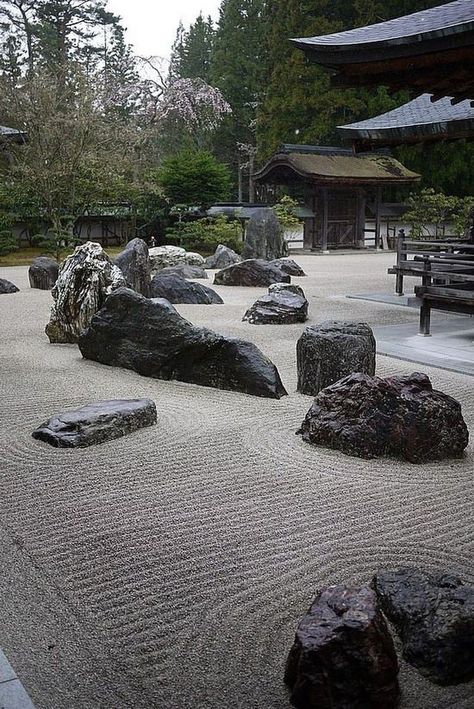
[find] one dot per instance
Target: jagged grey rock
(330, 351)
(176, 290)
(287, 265)
(150, 337)
(163, 256)
(43, 273)
(292, 287)
(343, 656)
(96, 423)
(134, 262)
(434, 616)
(252, 272)
(222, 257)
(402, 417)
(186, 271)
(280, 308)
(85, 279)
(7, 287)
(263, 236)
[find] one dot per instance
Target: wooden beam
(324, 234)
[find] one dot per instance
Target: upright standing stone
(134, 262)
(330, 351)
(343, 655)
(85, 280)
(43, 273)
(263, 236)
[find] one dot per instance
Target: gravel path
(175, 563)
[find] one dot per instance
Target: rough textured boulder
(150, 337)
(176, 289)
(222, 257)
(43, 273)
(287, 265)
(403, 417)
(96, 423)
(330, 351)
(292, 287)
(434, 616)
(134, 262)
(163, 256)
(280, 308)
(186, 271)
(7, 287)
(343, 655)
(253, 272)
(263, 236)
(85, 280)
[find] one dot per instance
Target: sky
(151, 24)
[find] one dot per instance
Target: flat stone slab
(97, 423)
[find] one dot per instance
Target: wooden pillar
(360, 225)
(378, 199)
(324, 233)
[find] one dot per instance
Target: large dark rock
(150, 337)
(434, 616)
(280, 308)
(330, 351)
(96, 423)
(263, 236)
(222, 257)
(7, 287)
(134, 262)
(292, 287)
(177, 289)
(287, 265)
(403, 417)
(85, 280)
(253, 272)
(43, 273)
(185, 270)
(343, 655)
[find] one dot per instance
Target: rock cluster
(252, 272)
(96, 423)
(43, 273)
(279, 308)
(134, 262)
(7, 287)
(403, 417)
(150, 337)
(222, 257)
(263, 236)
(85, 280)
(163, 256)
(332, 350)
(178, 290)
(343, 656)
(434, 616)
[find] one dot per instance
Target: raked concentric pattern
(193, 547)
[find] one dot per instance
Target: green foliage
(285, 211)
(8, 242)
(206, 234)
(192, 50)
(435, 208)
(54, 241)
(194, 178)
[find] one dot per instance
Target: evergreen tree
(196, 52)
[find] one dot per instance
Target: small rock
(330, 351)
(222, 258)
(253, 272)
(263, 236)
(280, 308)
(134, 262)
(177, 289)
(96, 423)
(163, 256)
(287, 265)
(402, 417)
(186, 271)
(43, 273)
(343, 655)
(7, 287)
(434, 616)
(292, 287)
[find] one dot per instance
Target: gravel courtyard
(169, 569)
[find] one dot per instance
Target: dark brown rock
(332, 350)
(43, 273)
(253, 272)
(403, 417)
(280, 308)
(434, 616)
(343, 655)
(134, 262)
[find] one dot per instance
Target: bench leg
(399, 284)
(425, 319)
